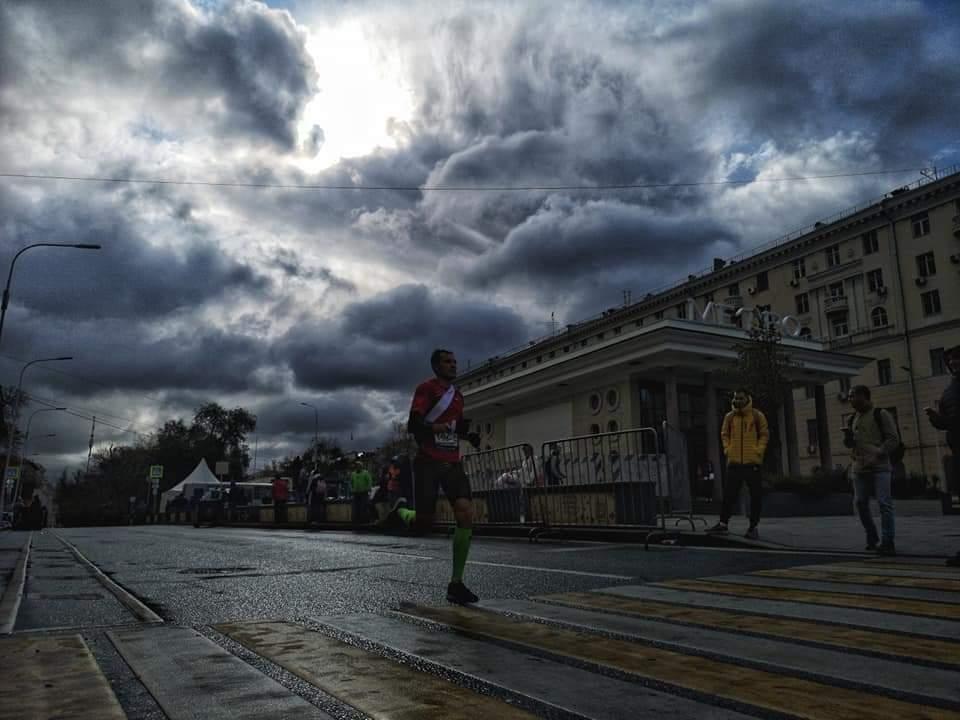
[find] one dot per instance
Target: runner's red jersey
(444, 447)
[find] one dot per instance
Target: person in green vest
(360, 484)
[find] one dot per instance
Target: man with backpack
(744, 435)
(875, 447)
(946, 416)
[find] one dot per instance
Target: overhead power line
(449, 188)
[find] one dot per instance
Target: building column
(793, 434)
(713, 435)
(680, 495)
(784, 440)
(823, 429)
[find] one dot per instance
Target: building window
(599, 336)
(613, 426)
(871, 243)
(806, 332)
(938, 366)
(845, 385)
(878, 316)
(833, 255)
(583, 343)
(658, 315)
(733, 289)
(595, 402)
(884, 372)
(838, 323)
(617, 331)
(931, 302)
(809, 392)
(803, 304)
(594, 429)
(763, 281)
(836, 289)
(799, 269)
(926, 265)
(553, 353)
(813, 435)
(682, 311)
(875, 280)
(920, 224)
(489, 428)
(613, 399)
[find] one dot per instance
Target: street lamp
(26, 439)
(16, 416)
(6, 290)
(316, 431)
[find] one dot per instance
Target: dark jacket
(948, 414)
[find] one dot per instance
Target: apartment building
(875, 290)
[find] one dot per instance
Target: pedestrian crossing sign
(13, 473)
(156, 471)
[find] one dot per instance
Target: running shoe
(393, 520)
(887, 550)
(871, 546)
(752, 534)
(458, 594)
(718, 529)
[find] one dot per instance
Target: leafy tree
(761, 368)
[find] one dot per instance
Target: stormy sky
(208, 289)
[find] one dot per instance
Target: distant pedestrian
(281, 493)
(873, 438)
(553, 469)
(317, 498)
(946, 416)
(745, 435)
(360, 484)
(532, 468)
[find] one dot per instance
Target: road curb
(143, 613)
(10, 604)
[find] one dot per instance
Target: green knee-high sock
(461, 548)
(407, 515)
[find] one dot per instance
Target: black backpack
(896, 455)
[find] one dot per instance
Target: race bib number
(446, 440)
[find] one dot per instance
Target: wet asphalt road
(202, 577)
(210, 575)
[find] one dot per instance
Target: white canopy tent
(201, 477)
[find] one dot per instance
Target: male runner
(437, 424)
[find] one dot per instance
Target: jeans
(879, 482)
(735, 477)
(360, 502)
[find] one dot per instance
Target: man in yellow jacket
(744, 435)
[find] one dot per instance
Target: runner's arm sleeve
(417, 423)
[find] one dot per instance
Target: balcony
(835, 303)
(734, 301)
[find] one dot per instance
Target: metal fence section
(501, 481)
(679, 501)
(608, 479)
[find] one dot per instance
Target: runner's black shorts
(431, 475)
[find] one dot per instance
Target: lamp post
(6, 289)
(26, 439)
(12, 430)
(316, 431)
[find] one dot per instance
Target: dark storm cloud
(568, 242)
(385, 342)
(789, 72)
(133, 275)
(243, 68)
(335, 413)
(124, 356)
(292, 265)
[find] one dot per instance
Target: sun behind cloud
(362, 93)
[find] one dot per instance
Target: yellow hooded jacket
(745, 435)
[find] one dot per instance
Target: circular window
(613, 426)
(596, 402)
(613, 399)
(594, 429)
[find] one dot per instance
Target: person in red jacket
(281, 493)
(437, 424)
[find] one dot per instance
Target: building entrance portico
(666, 372)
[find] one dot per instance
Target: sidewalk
(933, 536)
(11, 549)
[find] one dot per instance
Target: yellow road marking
(836, 575)
(54, 677)
(780, 693)
(893, 565)
(834, 635)
(943, 611)
(879, 568)
(377, 686)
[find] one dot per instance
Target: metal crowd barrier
(501, 481)
(605, 480)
